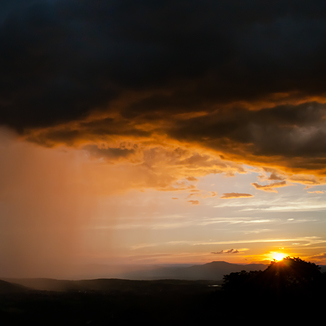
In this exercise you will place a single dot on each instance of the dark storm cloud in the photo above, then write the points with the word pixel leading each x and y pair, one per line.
pixel 87 131
pixel 61 59
pixel 287 130
pixel 245 78
pixel 46 72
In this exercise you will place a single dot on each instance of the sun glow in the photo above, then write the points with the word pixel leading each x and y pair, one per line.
pixel 277 256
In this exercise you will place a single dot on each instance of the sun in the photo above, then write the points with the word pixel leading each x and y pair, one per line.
pixel 277 256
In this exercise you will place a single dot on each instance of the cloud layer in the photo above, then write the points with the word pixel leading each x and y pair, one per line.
pixel 231 195
pixel 227 80
pixel 270 187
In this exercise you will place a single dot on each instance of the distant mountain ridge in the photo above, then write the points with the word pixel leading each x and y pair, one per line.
pixel 7 287
pixel 213 271
pixel 217 269
pixel 210 271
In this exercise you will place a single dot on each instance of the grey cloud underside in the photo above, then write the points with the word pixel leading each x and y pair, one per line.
pixel 60 60
pixel 286 130
pixel 290 131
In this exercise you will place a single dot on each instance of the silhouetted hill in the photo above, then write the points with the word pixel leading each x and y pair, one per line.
pixel 154 302
pixel 210 274
pixel 45 284
pixel 110 302
pixel 210 271
pixel 217 269
pixel 7 287
pixel 113 285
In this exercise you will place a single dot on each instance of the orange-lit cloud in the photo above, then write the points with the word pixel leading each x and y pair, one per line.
pixel 118 105
pixel 231 195
pixel 194 202
pixel 270 187
pixel 167 142
pixel 202 194
pixel 275 177
pixel 104 99
pixel 319 257
pixel 192 178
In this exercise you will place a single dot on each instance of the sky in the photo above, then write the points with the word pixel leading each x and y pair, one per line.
pixel 160 132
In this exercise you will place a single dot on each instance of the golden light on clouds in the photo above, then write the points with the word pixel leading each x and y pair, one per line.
pixel 141 146
pixel 232 195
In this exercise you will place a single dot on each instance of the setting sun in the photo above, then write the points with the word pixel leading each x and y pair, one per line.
pixel 278 256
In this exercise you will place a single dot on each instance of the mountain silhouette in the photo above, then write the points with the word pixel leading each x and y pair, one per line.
pixel 7 287
pixel 217 269
pixel 211 271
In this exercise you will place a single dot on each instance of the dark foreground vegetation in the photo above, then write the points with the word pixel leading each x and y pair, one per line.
pixel 288 291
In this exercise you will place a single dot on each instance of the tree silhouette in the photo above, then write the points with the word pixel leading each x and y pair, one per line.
pixel 291 287
pixel 288 276
pixel 293 275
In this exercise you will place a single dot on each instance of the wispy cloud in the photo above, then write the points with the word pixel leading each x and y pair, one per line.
pixel 194 202
pixel 231 195
pixel 257 231
pixel 319 256
pixel 299 241
pixel 304 241
pixel 270 187
pixel 228 251
pixel 289 207
pixel 143 245
pixel 234 220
